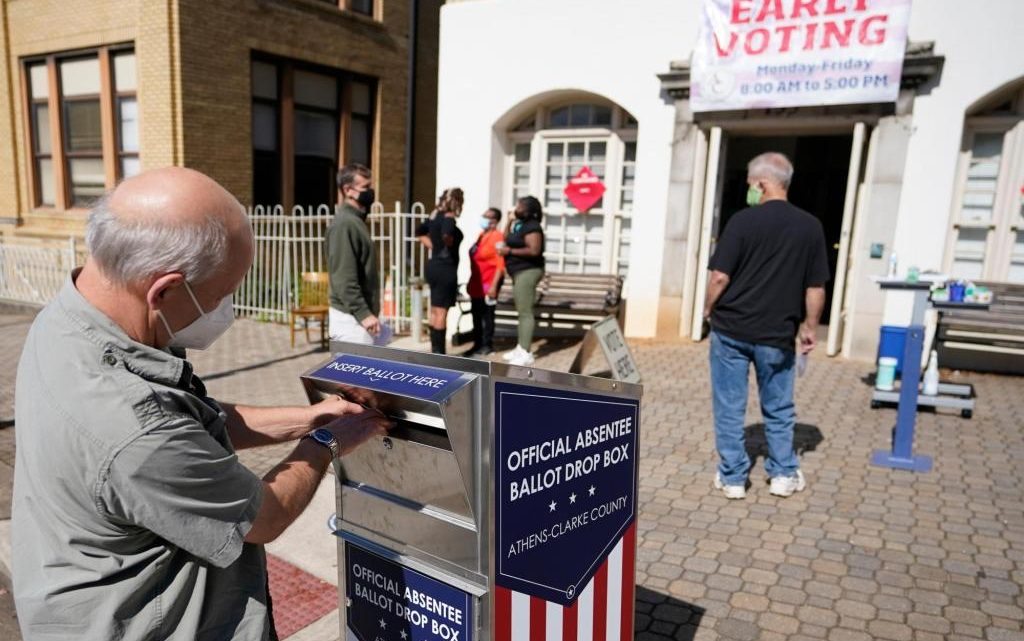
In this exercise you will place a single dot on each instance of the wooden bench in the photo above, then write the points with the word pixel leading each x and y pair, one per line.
pixel 567 305
pixel 989 340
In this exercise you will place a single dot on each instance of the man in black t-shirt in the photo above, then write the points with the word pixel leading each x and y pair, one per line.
pixel 765 294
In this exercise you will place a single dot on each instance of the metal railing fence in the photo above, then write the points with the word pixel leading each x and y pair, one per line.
pixel 33 274
pixel 289 245
pixel 286 246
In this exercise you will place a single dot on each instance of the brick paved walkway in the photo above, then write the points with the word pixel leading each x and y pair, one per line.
pixel 864 553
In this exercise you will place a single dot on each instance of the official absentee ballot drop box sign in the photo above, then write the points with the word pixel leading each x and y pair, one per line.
pixel 502 506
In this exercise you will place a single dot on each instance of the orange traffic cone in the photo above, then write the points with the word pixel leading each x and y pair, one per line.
pixel 389 299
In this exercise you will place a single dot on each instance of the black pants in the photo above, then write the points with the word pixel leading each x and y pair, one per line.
pixel 483 323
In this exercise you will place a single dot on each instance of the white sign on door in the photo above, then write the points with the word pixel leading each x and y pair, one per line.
pixel 789 53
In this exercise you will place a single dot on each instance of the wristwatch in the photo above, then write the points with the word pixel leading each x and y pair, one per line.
pixel 325 438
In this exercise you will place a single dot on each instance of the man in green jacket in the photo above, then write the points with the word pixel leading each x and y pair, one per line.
pixel 352 258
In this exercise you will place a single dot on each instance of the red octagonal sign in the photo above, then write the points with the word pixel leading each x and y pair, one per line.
pixel 584 189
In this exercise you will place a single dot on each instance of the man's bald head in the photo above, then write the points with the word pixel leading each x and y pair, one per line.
pixel 167 220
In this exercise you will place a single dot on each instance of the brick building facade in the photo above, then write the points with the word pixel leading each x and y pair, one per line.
pixel 266 96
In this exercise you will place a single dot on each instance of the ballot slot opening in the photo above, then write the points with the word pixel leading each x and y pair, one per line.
pixel 421 433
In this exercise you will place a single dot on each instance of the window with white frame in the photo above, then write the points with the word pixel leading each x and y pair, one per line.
pixel 986 241
pixel 543 159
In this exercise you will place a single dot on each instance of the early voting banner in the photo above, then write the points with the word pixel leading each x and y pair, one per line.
pixel 790 53
pixel 390 602
pixel 565 466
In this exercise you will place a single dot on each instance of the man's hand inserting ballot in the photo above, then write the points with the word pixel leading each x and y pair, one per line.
pixel 357 426
pixel 331 408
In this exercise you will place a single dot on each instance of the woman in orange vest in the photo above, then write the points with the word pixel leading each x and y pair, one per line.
pixel 486 270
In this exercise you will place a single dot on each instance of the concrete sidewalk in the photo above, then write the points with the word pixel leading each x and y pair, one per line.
pixel 864 553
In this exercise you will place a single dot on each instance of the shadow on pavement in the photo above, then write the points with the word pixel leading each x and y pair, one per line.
pixel 254 366
pixel 657 612
pixel 806 438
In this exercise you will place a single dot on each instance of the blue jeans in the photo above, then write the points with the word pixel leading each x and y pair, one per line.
pixel 774 367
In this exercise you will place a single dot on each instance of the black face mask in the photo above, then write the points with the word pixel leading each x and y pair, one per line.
pixel 366 198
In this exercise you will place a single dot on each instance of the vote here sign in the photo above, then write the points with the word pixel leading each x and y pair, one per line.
pixel 791 53
pixel 390 602
pixel 565 482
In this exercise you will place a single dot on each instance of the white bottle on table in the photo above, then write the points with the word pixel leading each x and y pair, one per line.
pixel 931 376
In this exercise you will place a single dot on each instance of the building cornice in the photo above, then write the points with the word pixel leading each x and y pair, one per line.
pixel 920 65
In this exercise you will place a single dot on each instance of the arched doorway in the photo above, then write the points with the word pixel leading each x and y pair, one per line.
pixel 986 236
pixel 547 141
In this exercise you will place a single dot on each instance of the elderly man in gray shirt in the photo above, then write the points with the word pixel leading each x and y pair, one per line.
pixel 132 516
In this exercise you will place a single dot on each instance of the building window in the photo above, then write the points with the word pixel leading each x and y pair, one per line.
pixel 542 160
pixel 42 141
pixel 315 136
pixel 580 115
pixel 127 114
pixel 75 157
pixel 628 176
pixel 986 241
pixel 361 124
pixel 266 137
pixel 304 119
pixel 365 7
pixel 564 159
pixel 521 171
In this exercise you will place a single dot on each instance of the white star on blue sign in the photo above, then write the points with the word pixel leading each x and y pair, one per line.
pixel 403 635
pixel 553 506
pixel 592 490
pixel 572 498
pixel 383 624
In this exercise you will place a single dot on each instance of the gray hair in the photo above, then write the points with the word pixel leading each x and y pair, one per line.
pixel 131 251
pixel 771 166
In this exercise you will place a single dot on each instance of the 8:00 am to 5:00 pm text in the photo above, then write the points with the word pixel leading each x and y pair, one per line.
pixel 840 83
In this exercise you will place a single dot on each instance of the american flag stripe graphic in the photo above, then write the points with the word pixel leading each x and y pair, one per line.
pixel 602 612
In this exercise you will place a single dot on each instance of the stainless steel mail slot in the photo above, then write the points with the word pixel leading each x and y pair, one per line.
pixel 416 488
pixel 496 480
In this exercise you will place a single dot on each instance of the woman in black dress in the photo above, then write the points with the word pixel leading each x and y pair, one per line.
pixel 443 236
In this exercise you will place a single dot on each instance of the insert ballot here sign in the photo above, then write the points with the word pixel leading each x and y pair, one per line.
pixel 565 482
pixel 418 381
pixel 390 602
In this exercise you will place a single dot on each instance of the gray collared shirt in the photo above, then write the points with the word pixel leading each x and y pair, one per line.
pixel 130 505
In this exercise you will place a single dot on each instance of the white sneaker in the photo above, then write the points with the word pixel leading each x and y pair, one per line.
pixel 511 355
pixel 787 485
pixel 730 491
pixel 523 359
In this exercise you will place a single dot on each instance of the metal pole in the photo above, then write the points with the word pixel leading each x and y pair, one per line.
pixel 417 311
pixel 902 456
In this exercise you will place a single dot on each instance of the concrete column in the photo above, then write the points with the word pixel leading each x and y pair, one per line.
pixel 876 223
pixel 676 273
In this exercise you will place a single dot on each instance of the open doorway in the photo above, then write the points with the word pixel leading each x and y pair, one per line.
pixel 821 164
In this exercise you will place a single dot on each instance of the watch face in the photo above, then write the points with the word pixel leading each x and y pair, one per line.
pixel 323 436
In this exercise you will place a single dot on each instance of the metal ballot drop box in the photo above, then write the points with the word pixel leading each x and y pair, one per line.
pixel 503 494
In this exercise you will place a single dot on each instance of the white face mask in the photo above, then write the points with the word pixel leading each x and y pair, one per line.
pixel 203 331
